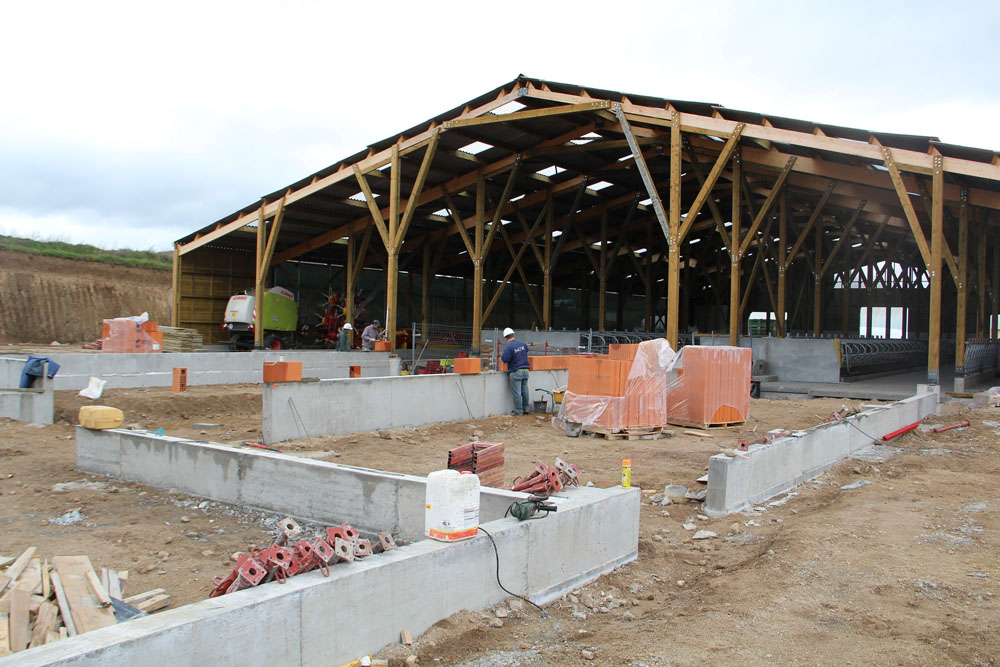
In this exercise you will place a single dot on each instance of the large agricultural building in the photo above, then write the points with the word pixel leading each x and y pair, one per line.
pixel 553 206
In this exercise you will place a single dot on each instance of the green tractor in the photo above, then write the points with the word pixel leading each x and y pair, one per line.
pixel 280 320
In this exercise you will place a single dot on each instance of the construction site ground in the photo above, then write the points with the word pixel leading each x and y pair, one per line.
pixel 902 569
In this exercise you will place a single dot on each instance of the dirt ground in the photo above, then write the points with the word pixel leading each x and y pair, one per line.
pixel 901 570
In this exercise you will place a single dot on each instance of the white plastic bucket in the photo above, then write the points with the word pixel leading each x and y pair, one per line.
pixel 451 506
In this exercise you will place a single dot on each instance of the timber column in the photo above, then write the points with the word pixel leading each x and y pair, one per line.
pixel 735 254
pixel 937 246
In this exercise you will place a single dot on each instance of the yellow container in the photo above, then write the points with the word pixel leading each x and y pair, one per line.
pixel 100 417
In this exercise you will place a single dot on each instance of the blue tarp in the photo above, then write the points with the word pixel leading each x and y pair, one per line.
pixel 33 368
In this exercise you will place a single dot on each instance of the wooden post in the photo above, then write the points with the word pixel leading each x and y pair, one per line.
pixel 650 292
pixel 547 269
pixel 674 228
pixel 175 315
pixel 602 297
pixel 258 329
pixel 392 264
pixel 425 291
pixel 818 280
pixel 963 280
pixel 845 316
pixel 735 253
pixel 349 283
pixel 981 284
pixel 995 292
pixel 477 263
pixel 782 261
pixel 937 243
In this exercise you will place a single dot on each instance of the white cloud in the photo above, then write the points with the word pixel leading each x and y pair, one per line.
pixel 163 118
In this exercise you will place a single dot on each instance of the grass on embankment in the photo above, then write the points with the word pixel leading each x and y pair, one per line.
pixel 89 253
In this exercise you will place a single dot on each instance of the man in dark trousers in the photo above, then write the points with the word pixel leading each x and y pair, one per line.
pixel 515 355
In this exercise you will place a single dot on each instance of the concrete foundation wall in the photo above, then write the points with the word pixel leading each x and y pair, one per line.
pixel 735 483
pixel 316 491
pixel 362 606
pixel 791 359
pixel 335 407
pixel 36 404
pixel 156 370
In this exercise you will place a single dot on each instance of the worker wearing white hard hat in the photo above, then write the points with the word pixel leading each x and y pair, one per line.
pixel 515 355
pixel 344 339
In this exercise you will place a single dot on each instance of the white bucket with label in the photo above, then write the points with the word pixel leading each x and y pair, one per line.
pixel 451 506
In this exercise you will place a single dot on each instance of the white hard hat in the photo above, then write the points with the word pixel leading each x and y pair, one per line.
pixel 348 326
pixel 508 332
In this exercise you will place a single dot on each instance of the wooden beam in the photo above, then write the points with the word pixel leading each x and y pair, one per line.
pixel 515 264
pixel 768 203
pixel 502 205
pixel 416 190
pixel 720 224
pixel 520 269
pixel 258 331
pixel 779 314
pixel 272 238
pixel 904 200
pixel 713 176
pixel 817 212
pixel 562 110
pixel 647 178
pixel 376 214
pixel 844 235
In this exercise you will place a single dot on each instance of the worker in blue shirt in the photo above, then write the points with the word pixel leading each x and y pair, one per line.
pixel 515 355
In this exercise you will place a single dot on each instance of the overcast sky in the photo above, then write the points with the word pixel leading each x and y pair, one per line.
pixel 131 124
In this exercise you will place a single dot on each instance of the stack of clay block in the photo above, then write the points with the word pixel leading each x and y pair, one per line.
pixel 551 362
pixel 282 371
pixel 467 366
pixel 484 459
pixel 381 346
pixel 623 390
pixel 121 335
pixel 598 376
pixel 711 386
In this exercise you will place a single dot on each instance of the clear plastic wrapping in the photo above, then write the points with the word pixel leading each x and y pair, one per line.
pixel 624 390
pixel 709 385
pixel 648 384
pixel 131 335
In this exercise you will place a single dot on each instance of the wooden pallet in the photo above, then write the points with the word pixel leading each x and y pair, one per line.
pixel 702 425
pixel 647 433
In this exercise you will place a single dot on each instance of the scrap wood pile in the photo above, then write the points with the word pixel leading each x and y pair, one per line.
pixel 483 459
pixel 177 339
pixel 43 602
pixel 294 553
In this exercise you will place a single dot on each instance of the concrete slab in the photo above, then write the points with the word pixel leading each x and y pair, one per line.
pixel 36 404
pixel 336 407
pixel 735 483
pixel 361 607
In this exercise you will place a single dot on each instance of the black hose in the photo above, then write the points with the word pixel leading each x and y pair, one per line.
pixel 496 554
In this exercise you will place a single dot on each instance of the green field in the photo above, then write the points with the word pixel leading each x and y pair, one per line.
pixel 88 253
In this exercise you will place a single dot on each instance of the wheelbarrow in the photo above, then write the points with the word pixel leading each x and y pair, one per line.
pixel 556 394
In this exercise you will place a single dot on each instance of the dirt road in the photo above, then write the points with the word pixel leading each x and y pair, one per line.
pixel 900 570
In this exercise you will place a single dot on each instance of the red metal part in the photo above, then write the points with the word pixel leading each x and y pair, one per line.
pixel 744 445
pixel 386 541
pixel 896 434
pixel 343 550
pixel 362 549
pixel 343 532
pixel 942 429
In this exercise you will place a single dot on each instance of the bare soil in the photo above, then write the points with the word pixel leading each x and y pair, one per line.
pixel 49 299
pixel 903 570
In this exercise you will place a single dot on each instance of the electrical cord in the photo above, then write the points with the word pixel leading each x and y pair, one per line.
pixel 496 554
pixel 860 431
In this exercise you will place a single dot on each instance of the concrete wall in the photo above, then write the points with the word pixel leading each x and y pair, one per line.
pixel 362 606
pixel 156 370
pixel 334 407
pixel 316 491
pixel 735 483
pixel 791 359
pixel 35 405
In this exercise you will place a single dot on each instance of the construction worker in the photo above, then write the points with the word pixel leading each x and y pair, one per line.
pixel 343 340
pixel 370 335
pixel 515 355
